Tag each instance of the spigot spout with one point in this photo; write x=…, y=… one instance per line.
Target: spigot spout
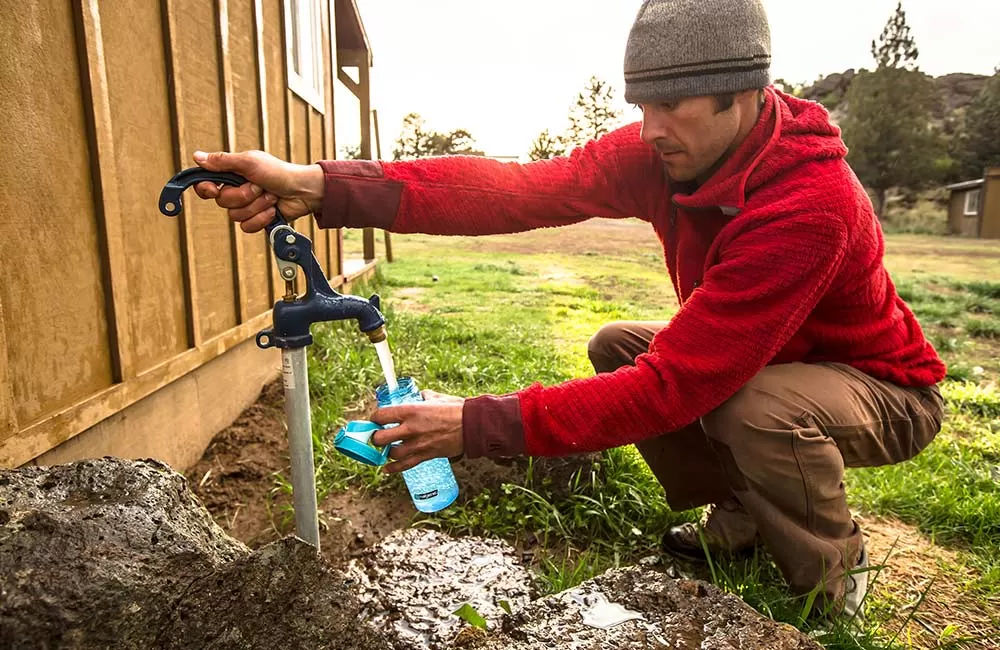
x=377, y=335
x=336, y=306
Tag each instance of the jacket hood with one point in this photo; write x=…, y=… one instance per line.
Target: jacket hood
x=789, y=133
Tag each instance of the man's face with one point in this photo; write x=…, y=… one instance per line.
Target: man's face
x=690, y=134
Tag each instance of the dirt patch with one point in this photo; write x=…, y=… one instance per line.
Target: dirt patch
x=942, y=251
x=235, y=476
x=410, y=300
x=594, y=237
x=916, y=565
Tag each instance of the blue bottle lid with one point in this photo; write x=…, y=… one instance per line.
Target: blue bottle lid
x=354, y=441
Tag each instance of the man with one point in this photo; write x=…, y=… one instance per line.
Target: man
x=791, y=355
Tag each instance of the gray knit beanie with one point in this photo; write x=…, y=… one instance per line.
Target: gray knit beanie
x=681, y=48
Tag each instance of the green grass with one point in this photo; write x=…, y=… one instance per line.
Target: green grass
x=496, y=322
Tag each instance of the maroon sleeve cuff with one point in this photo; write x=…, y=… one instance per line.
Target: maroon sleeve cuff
x=357, y=195
x=491, y=426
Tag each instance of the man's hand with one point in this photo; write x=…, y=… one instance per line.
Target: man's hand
x=429, y=429
x=296, y=190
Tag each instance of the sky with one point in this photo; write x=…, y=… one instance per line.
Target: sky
x=504, y=71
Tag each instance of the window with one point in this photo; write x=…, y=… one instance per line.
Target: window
x=304, y=50
x=972, y=202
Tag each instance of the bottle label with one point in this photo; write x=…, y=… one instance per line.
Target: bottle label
x=426, y=495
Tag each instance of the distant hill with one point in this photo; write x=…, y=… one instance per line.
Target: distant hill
x=956, y=90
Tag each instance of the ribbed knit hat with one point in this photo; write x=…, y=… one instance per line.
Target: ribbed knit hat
x=681, y=48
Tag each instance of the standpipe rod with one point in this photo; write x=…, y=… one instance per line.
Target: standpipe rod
x=300, y=448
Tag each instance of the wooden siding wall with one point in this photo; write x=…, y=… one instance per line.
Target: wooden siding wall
x=990, y=210
x=956, y=215
x=104, y=300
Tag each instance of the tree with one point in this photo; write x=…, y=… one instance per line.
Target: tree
x=350, y=152
x=546, y=146
x=417, y=141
x=978, y=143
x=895, y=47
x=593, y=114
x=888, y=129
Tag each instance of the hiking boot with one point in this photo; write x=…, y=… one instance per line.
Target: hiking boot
x=856, y=587
x=727, y=528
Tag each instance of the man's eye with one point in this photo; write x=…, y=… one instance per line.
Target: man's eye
x=668, y=106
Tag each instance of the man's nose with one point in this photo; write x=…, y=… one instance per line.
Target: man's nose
x=653, y=128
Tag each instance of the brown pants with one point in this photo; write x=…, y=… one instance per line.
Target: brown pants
x=780, y=445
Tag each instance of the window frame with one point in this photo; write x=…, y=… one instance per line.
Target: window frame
x=977, y=200
x=304, y=43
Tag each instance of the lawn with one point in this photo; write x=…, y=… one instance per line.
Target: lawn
x=494, y=314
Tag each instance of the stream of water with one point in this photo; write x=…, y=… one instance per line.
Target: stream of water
x=388, y=368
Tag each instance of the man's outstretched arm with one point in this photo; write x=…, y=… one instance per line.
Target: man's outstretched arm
x=451, y=195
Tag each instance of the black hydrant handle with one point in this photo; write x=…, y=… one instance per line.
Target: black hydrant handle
x=172, y=194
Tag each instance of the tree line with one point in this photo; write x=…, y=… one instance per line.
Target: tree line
x=892, y=139
x=591, y=116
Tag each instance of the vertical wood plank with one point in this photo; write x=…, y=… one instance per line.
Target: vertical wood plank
x=258, y=41
x=229, y=142
x=8, y=418
x=340, y=251
x=334, y=241
x=321, y=236
x=329, y=118
x=365, y=99
x=170, y=40
x=304, y=131
x=265, y=130
x=97, y=109
x=330, y=70
x=378, y=156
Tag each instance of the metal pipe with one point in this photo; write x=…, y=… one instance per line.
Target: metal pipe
x=300, y=449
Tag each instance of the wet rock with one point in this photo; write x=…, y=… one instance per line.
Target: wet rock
x=282, y=596
x=414, y=580
x=676, y=613
x=115, y=553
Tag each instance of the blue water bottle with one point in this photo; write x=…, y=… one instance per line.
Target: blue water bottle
x=431, y=484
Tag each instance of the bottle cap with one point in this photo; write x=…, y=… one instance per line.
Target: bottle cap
x=354, y=441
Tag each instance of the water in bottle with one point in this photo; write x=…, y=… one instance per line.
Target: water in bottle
x=431, y=484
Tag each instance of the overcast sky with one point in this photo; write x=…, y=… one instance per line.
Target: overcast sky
x=506, y=70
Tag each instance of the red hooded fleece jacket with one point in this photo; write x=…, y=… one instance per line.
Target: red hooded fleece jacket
x=777, y=258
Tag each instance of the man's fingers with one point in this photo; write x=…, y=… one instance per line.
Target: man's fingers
x=383, y=437
x=206, y=190
x=258, y=222
x=238, y=197
x=222, y=161
x=406, y=463
x=404, y=450
x=392, y=414
x=261, y=203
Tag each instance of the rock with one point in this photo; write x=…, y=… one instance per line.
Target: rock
x=282, y=596
x=831, y=86
x=414, y=580
x=955, y=92
x=958, y=89
x=676, y=613
x=116, y=553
